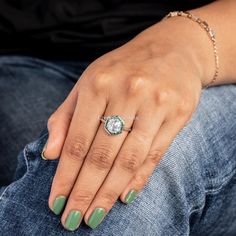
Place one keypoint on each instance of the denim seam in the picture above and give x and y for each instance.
(3, 193)
(212, 192)
(26, 159)
(26, 153)
(26, 174)
(26, 156)
(2, 197)
(28, 166)
(225, 180)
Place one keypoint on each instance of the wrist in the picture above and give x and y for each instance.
(189, 40)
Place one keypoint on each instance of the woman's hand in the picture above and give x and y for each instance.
(154, 83)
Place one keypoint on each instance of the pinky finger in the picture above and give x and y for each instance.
(162, 141)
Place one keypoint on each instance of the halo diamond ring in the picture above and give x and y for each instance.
(114, 124)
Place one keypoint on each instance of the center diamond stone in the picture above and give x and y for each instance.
(114, 125)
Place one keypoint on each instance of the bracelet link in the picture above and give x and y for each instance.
(211, 33)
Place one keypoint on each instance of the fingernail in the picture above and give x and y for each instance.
(44, 149)
(130, 196)
(58, 204)
(73, 220)
(96, 218)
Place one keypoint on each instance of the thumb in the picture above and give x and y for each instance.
(58, 125)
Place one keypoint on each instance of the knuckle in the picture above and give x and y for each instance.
(109, 197)
(185, 108)
(139, 180)
(130, 162)
(162, 97)
(77, 148)
(142, 137)
(100, 157)
(61, 184)
(51, 121)
(84, 197)
(100, 81)
(155, 155)
(135, 84)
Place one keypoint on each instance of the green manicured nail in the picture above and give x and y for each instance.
(58, 204)
(73, 220)
(130, 196)
(96, 217)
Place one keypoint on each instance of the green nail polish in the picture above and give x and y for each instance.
(73, 220)
(58, 204)
(130, 196)
(96, 217)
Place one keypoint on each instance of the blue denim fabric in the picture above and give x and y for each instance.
(191, 192)
(30, 90)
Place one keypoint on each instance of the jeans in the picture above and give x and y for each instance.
(30, 90)
(191, 192)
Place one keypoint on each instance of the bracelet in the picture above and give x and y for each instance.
(210, 33)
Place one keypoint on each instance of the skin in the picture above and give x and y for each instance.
(154, 82)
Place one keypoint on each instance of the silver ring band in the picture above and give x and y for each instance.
(114, 125)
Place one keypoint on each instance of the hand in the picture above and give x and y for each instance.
(154, 82)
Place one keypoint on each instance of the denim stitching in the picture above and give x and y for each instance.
(25, 157)
(26, 151)
(2, 197)
(27, 173)
(3, 193)
(211, 193)
(226, 180)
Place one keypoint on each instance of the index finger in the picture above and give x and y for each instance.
(83, 128)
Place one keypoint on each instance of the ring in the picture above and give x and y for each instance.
(114, 124)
